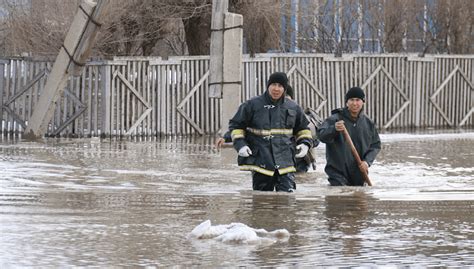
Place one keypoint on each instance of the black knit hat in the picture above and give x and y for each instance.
(290, 92)
(355, 92)
(278, 77)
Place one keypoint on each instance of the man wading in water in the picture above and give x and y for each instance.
(262, 131)
(341, 166)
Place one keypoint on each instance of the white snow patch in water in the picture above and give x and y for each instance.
(237, 233)
(136, 172)
(418, 157)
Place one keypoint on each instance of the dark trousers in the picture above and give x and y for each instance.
(276, 182)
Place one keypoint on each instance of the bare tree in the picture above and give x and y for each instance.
(33, 29)
(138, 27)
(179, 27)
(334, 28)
(449, 27)
(261, 24)
(348, 40)
(395, 16)
(148, 27)
(3, 37)
(422, 26)
(130, 27)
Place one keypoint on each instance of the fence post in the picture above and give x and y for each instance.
(2, 89)
(338, 84)
(105, 85)
(418, 94)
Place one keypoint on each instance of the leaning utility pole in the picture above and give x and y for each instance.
(70, 61)
(225, 80)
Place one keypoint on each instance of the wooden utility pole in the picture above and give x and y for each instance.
(225, 80)
(219, 8)
(70, 61)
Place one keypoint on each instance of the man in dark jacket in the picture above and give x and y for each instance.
(341, 166)
(262, 132)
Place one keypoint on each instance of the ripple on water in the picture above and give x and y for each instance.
(121, 203)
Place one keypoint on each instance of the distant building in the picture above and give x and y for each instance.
(376, 26)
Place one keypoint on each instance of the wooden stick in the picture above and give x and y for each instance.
(356, 156)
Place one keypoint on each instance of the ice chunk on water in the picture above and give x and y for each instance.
(279, 234)
(199, 230)
(238, 233)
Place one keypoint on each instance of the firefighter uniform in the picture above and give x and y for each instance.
(269, 128)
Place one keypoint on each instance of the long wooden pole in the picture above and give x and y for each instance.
(356, 157)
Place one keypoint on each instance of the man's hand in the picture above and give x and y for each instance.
(302, 150)
(340, 127)
(219, 142)
(245, 151)
(364, 167)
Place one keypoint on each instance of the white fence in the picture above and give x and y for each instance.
(152, 96)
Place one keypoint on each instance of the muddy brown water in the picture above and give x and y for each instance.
(108, 203)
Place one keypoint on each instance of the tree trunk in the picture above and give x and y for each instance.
(198, 34)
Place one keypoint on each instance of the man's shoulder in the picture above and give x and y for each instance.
(337, 111)
(256, 99)
(252, 101)
(336, 114)
(291, 104)
(368, 119)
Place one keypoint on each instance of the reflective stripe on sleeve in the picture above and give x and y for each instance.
(304, 134)
(237, 133)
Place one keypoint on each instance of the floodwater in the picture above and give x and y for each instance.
(109, 203)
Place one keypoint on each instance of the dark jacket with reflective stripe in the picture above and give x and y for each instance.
(284, 119)
(341, 165)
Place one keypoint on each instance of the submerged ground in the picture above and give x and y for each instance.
(85, 202)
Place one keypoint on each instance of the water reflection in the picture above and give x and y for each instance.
(346, 217)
